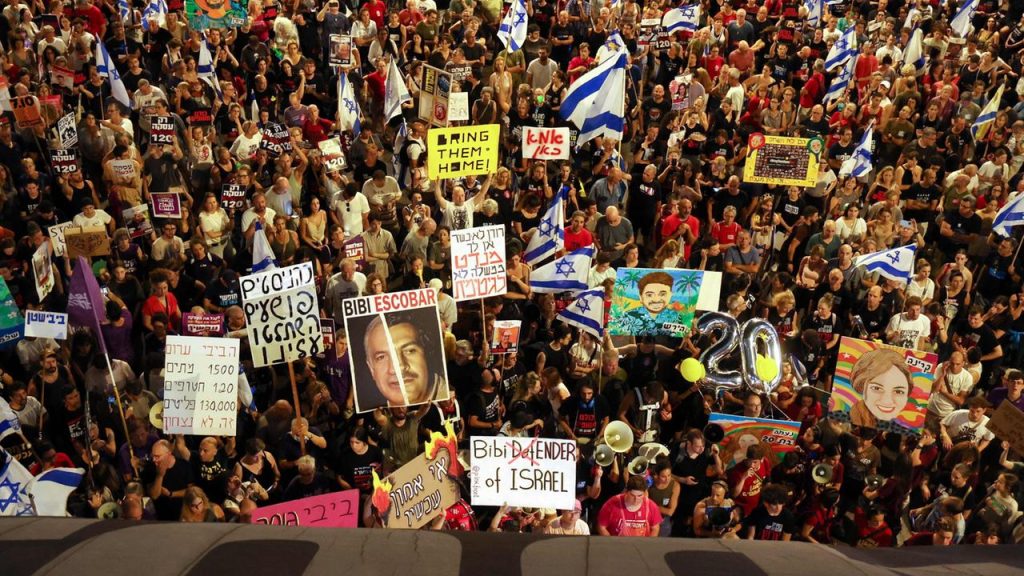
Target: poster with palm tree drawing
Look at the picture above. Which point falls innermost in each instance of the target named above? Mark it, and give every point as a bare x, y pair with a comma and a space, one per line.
655, 302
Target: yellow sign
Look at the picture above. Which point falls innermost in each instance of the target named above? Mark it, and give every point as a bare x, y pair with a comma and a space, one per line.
462, 151
783, 161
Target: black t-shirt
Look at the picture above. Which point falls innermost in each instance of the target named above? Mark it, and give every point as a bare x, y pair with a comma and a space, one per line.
223, 296
960, 225
789, 210
643, 199
297, 490
177, 477
585, 417
357, 469
211, 476
875, 320
839, 152
921, 194
486, 406
767, 527
654, 112
983, 337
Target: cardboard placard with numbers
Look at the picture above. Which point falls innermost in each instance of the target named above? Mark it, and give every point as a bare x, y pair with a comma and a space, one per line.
201, 386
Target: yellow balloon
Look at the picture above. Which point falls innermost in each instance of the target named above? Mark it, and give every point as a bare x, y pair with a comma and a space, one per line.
692, 370
767, 369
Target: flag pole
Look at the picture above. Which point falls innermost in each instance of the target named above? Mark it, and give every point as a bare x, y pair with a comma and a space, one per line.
120, 407
295, 399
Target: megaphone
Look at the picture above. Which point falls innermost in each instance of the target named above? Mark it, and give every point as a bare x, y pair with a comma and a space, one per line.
618, 436
714, 433
874, 481
156, 416
822, 473
604, 455
109, 511
638, 466
652, 450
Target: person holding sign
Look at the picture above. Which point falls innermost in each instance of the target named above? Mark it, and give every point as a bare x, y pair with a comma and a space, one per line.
458, 212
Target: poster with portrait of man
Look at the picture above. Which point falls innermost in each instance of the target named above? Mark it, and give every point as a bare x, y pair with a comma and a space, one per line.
341, 51
395, 349
656, 302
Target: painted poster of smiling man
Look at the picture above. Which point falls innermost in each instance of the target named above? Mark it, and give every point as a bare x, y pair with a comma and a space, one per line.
652, 302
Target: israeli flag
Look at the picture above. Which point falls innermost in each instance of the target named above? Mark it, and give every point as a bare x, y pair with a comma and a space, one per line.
915, 51
9, 423
395, 91
682, 18
348, 107
596, 101
105, 67
961, 22
815, 9
987, 116
587, 312
895, 264
50, 490
568, 273
859, 165
512, 30
841, 83
204, 68
550, 235
14, 481
262, 255
155, 9
124, 11
1011, 214
842, 50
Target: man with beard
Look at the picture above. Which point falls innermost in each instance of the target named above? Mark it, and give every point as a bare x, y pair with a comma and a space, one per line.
49, 383
584, 415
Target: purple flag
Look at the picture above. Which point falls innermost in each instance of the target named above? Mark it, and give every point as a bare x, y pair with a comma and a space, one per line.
85, 302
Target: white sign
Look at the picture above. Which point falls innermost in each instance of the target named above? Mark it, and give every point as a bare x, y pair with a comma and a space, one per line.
458, 107
43, 270
332, 155
478, 262
201, 386
123, 168
46, 325
57, 237
545, 143
67, 131
282, 316
531, 472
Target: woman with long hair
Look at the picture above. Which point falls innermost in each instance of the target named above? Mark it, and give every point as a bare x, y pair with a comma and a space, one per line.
196, 507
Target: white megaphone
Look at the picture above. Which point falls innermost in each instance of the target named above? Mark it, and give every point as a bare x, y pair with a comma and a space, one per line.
652, 450
618, 436
638, 466
604, 455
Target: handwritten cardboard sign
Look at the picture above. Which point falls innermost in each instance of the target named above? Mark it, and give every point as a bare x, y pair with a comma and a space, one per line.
479, 268
420, 490
201, 386
1007, 423
534, 472
334, 510
86, 241
545, 143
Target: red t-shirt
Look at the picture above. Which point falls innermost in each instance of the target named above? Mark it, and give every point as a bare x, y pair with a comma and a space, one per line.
726, 233
377, 12
316, 132
750, 493
872, 537
577, 240
621, 522
152, 305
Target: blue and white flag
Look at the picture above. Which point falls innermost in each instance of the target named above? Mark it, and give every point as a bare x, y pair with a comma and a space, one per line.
568, 273
14, 481
587, 312
987, 115
859, 164
895, 264
915, 51
815, 10
204, 68
348, 106
550, 233
512, 30
961, 22
124, 11
842, 50
682, 18
105, 67
9, 423
1011, 214
396, 92
262, 255
50, 490
155, 9
596, 101
841, 83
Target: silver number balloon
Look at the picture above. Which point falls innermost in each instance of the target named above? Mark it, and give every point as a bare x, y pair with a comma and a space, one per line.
753, 330
725, 330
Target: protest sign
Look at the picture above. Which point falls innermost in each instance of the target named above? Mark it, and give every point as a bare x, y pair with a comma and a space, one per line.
200, 386
232, 196
534, 472
193, 324
63, 77
478, 262
882, 387
341, 51
416, 493
505, 339
741, 432
42, 269
328, 349
86, 241
334, 510
276, 139
136, 220
200, 117
161, 130
57, 237
67, 132
462, 151
166, 204
64, 161
545, 143
283, 321
203, 14
458, 107
331, 154
782, 160
123, 169
26, 112
435, 90
1007, 423
46, 325
649, 302
355, 249
12, 324
395, 349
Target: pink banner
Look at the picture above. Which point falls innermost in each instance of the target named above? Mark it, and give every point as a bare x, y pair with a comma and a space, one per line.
334, 510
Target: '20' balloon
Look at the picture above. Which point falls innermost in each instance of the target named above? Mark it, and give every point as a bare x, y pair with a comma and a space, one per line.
756, 337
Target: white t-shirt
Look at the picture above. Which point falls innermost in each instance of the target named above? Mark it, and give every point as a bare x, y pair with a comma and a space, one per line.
909, 332
956, 384
458, 217
924, 292
960, 428
596, 278
350, 212
100, 218
249, 215
245, 147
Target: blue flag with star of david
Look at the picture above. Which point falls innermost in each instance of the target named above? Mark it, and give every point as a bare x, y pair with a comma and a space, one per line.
566, 274
587, 312
549, 236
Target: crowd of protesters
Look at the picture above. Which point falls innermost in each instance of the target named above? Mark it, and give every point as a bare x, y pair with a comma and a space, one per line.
670, 194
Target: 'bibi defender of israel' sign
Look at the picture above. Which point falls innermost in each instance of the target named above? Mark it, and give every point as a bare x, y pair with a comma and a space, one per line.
533, 472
